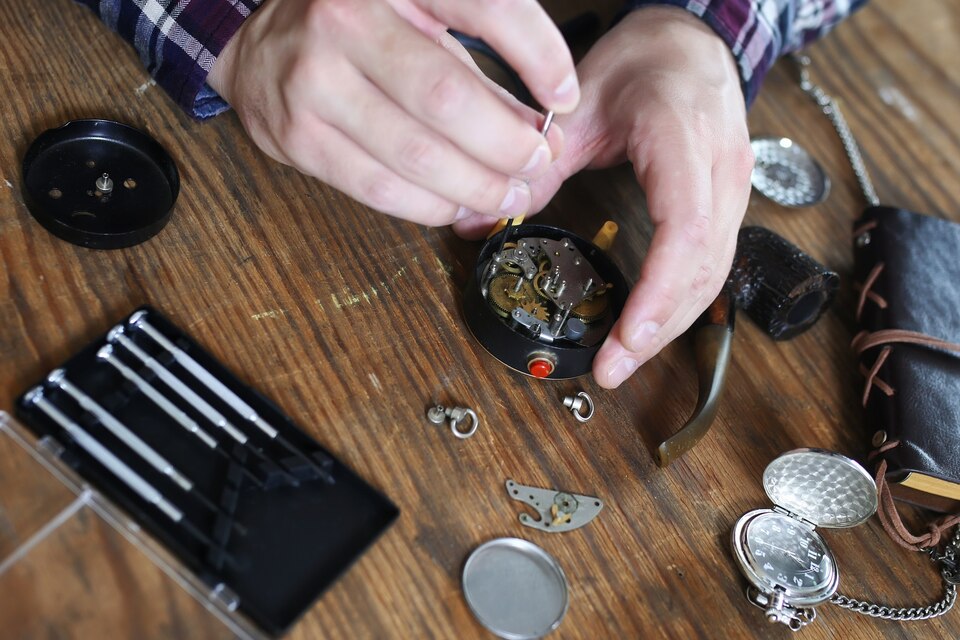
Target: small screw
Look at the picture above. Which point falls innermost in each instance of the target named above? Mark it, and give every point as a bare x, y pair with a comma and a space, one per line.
576, 404
104, 183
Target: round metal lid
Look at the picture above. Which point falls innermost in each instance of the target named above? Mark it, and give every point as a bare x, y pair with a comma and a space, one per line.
787, 174
99, 184
823, 487
515, 589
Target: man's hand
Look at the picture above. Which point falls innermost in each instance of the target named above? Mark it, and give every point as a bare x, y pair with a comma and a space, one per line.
376, 99
662, 90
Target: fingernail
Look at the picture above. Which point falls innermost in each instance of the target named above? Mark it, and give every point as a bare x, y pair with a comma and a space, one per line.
462, 213
537, 162
642, 336
517, 200
567, 92
621, 370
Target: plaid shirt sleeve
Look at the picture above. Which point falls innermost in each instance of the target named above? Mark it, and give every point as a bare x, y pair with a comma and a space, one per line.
178, 42
760, 31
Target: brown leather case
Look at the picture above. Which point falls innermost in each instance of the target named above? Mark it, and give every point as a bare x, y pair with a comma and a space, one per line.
907, 269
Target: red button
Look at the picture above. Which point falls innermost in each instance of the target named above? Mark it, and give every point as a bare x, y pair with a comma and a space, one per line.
540, 368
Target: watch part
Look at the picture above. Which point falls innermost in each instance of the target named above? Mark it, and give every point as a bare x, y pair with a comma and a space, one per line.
515, 589
100, 184
580, 405
786, 173
778, 552
542, 300
823, 487
463, 422
558, 511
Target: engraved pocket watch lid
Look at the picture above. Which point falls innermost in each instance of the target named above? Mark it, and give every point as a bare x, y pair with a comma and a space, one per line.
786, 173
823, 487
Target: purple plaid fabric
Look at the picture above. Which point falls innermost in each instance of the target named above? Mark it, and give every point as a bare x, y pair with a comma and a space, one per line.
760, 31
179, 40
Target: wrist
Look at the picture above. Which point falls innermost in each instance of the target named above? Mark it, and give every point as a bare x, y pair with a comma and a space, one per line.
683, 38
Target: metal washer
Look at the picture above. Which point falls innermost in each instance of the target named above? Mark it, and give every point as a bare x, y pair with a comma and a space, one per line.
515, 589
786, 173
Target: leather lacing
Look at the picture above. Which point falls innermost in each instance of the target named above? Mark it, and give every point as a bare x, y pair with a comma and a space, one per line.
890, 518
885, 338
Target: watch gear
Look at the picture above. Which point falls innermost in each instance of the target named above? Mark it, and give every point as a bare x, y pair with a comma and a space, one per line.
593, 308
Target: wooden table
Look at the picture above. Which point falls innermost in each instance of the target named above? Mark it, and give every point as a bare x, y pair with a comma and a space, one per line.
351, 322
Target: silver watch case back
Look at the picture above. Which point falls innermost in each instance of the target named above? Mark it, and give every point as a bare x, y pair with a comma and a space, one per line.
778, 550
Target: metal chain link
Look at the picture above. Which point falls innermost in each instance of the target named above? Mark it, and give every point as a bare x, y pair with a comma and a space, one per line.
950, 558
948, 573
831, 109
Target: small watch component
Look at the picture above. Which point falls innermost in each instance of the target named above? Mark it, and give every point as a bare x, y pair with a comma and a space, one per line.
542, 300
789, 566
559, 511
786, 173
455, 416
577, 403
515, 589
100, 184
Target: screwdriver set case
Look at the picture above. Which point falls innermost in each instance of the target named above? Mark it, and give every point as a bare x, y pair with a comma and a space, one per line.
252, 512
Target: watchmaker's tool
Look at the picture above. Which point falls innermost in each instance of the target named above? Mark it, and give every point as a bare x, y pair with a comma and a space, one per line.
789, 566
172, 450
558, 511
114, 465
99, 184
116, 335
786, 173
106, 354
114, 426
139, 321
515, 589
782, 289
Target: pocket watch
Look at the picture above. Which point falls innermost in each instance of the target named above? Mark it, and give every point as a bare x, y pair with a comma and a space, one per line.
788, 565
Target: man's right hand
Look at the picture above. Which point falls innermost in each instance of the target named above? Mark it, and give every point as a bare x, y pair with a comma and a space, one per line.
376, 99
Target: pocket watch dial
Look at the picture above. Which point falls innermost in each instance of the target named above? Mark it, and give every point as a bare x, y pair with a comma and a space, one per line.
788, 553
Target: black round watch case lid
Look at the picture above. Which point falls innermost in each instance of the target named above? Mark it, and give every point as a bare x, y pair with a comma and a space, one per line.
100, 184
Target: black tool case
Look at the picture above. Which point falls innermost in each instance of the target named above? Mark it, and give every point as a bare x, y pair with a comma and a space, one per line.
266, 526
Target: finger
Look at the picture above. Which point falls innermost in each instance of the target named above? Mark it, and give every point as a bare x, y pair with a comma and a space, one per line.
555, 136
681, 261
434, 87
614, 363
474, 226
419, 155
322, 151
525, 36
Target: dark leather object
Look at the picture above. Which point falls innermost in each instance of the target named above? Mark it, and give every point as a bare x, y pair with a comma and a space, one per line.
920, 283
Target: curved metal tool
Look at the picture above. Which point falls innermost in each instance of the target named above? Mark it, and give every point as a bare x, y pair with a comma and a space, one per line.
558, 511
782, 289
712, 337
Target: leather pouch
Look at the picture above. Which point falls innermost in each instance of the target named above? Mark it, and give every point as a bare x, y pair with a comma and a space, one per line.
907, 272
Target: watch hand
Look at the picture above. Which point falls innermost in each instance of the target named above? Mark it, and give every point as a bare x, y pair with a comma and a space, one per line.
789, 554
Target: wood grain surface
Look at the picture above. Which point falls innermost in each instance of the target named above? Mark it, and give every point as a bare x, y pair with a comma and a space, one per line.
350, 321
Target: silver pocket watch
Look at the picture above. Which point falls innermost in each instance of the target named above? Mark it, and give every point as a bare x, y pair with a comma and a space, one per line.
789, 566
